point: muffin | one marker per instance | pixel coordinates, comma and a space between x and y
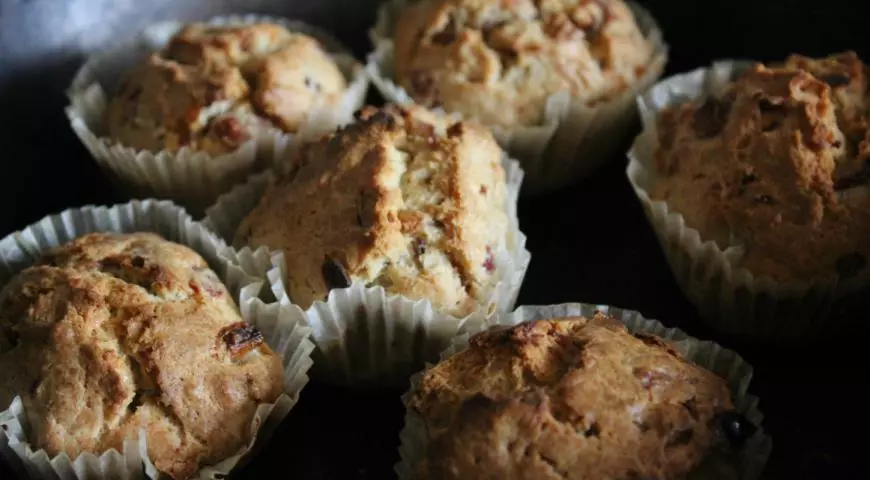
113, 333
775, 164
402, 199
523, 68
575, 397
498, 62
187, 110
771, 168
213, 87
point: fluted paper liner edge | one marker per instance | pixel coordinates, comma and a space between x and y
727, 364
574, 139
191, 178
729, 297
282, 329
365, 335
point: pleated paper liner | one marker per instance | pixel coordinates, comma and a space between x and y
366, 336
748, 464
729, 298
191, 178
282, 329
574, 139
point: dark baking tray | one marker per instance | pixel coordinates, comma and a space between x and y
590, 242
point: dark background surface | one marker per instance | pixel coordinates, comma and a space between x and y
590, 242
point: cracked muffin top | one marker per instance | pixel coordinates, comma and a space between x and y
402, 198
212, 88
498, 62
571, 398
113, 333
777, 165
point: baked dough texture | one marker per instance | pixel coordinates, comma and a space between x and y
498, 62
213, 88
777, 165
572, 398
114, 333
403, 198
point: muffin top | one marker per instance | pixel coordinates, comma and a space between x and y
402, 198
214, 87
568, 398
113, 333
498, 62
776, 164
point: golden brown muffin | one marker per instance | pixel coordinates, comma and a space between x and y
498, 62
215, 87
113, 333
776, 164
571, 398
402, 199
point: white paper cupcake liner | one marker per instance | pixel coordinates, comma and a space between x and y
574, 138
729, 298
367, 336
194, 179
282, 328
748, 464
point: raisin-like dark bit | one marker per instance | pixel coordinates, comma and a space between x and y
711, 117
312, 85
748, 177
455, 130
138, 262
240, 338
110, 263
691, 406
835, 80
593, 431
446, 35
365, 212
334, 274
680, 437
735, 427
850, 264
489, 261
136, 401
419, 246
766, 104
